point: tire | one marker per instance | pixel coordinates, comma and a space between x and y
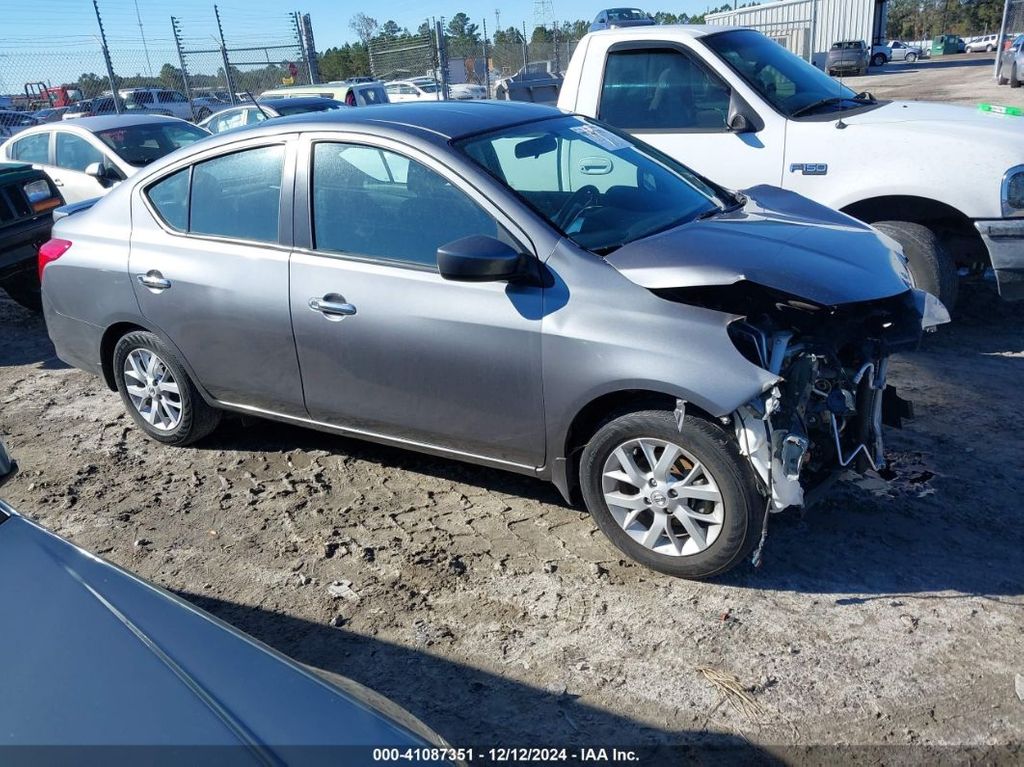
1014, 82
202, 114
878, 60
931, 266
734, 521
196, 418
23, 288
910, 58
989, 48
1000, 80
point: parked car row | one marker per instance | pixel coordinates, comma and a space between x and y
1011, 63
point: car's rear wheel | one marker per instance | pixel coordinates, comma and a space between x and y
158, 393
910, 58
679, 500
23, 288
989, 48
931, 266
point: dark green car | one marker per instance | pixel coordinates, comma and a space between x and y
27, 200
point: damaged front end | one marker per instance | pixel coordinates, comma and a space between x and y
826, 412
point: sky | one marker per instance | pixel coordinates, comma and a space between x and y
57, 40
65, 24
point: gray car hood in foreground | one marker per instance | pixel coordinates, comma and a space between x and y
780, 240
94, 656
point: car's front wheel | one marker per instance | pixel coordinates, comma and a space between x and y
910, 58
678, 499
158, 393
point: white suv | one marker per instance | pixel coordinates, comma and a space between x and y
174, 102
985, 44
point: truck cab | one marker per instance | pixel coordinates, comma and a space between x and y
740, 109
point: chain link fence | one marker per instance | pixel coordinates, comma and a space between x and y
404, 58
201, 61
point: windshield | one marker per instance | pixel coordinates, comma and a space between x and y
322, 105
600, 188
785, 80
139, 145
626, 14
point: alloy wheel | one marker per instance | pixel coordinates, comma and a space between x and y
152, 389
662, 497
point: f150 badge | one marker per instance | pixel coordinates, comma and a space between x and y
809, 168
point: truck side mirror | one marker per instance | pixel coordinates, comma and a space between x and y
742, 119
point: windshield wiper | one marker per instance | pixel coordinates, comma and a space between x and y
860, 98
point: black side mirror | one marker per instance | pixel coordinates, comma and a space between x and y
7, 466
742, 119
481, 259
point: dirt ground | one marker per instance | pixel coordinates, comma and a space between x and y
891, 614
966, 78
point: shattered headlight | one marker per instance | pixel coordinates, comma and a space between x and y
1012, 193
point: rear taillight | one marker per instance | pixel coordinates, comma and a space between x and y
50, 252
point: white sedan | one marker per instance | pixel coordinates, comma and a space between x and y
410, 90
86, 157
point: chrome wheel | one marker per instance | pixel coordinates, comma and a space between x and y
662, 497
152, 389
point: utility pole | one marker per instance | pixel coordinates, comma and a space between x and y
497, 20
176, 28
526, 54
145, 48
106, 59
311, 60
224, 56
487, 67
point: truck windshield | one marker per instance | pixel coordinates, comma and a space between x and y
785, 80
600, 188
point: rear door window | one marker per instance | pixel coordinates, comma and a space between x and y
34, 149
238, 195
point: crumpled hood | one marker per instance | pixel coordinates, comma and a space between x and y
780, 240
94, 656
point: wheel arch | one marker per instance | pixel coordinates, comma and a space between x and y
117, 330
598, 411
953, 226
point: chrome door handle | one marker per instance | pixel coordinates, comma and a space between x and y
154, 281
332, 306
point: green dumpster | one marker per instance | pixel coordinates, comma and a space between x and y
943, 45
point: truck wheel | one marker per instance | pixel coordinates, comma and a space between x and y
878, 60
1014, 82
910, 58
24, 289
679, 500
158, 393
931, 266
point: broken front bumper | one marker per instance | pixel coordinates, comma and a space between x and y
1004, 240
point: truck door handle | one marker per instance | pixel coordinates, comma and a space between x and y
332, 306
154, 281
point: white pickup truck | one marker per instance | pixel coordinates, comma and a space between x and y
945, 181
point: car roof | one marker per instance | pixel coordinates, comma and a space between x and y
107, 122
690, 30
301, 101
445, 119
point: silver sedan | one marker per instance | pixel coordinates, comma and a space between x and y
504, 284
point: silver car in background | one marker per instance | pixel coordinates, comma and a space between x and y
503, 284
87, 157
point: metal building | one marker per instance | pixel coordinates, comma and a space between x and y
809, 27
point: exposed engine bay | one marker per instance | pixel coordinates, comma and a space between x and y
827, 410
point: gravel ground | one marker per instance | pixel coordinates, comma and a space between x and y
966, 78
890, 614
